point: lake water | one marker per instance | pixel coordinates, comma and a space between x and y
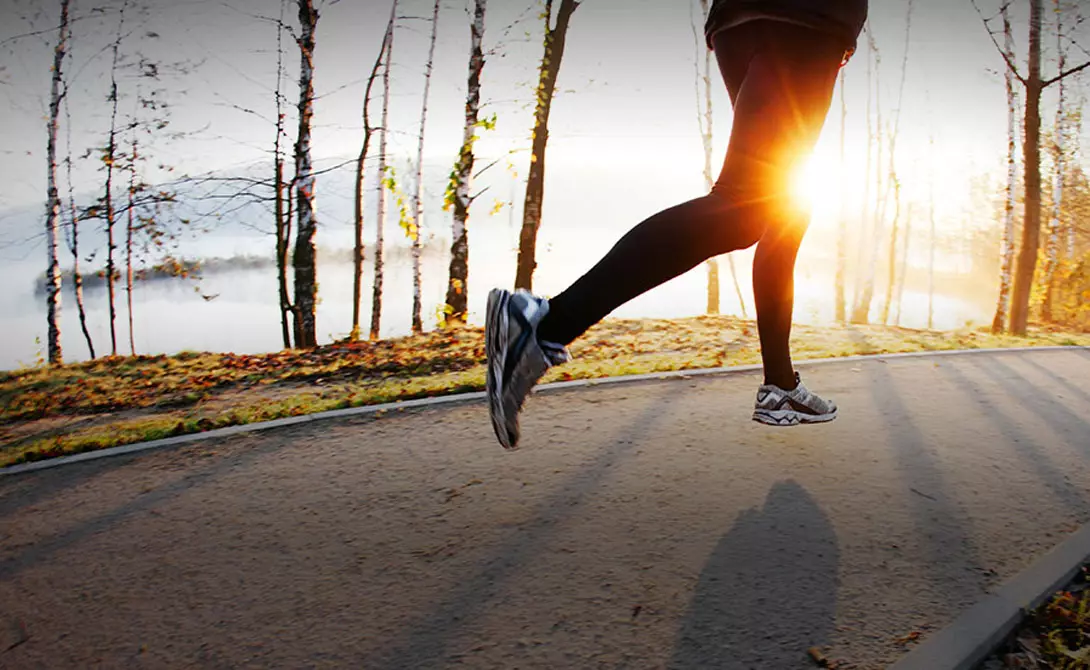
170, 316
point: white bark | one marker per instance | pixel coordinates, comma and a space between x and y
1006, 263
842, 227
458, 283
418, 205
53, 204
380, 220
304, 261
1052, 243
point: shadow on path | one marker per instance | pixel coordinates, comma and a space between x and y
947, 549
1067, 425
768, 590
1033, 459
41, 550
425, 643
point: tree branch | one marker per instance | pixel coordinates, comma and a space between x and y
1004, 54
1062, 75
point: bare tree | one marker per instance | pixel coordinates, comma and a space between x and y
1055, 221
459, 197
368, 131
931, 236
109, 158
904, 264
380, 218
304, 261
53, 201
1006, 263
555, 37
130, 211
841, 307
704, 122
73, 231
868, 268
1034, 84
893, 177
282, 209
418, 202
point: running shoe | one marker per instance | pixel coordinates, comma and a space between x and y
516, 358
777, 407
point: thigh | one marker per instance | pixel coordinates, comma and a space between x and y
781, 79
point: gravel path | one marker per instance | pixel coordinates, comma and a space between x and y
649, 525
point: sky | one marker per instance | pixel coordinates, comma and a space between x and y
624, 139
627, 82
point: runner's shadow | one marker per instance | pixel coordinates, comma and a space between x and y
768, 591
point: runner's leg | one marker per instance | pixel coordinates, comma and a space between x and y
780, 78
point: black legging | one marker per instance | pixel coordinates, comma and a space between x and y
780, 78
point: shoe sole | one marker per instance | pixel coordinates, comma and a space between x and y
788, 417
495, 334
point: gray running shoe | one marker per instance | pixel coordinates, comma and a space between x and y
516, 358
777, 407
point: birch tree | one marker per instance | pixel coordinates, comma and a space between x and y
1006, 261
555, 38
704, 122
1034, 84
109, 158
368, 132
1052, 244
282, 210
867, 265
458, 197
841, 307
380, 217
894, 179
931, 237
53, 202
304, 261
73, 231
415, 229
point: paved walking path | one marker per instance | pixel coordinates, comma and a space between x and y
649, 525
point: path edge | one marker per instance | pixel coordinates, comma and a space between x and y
371, 410
969, 639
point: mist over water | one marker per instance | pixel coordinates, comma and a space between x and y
236, 310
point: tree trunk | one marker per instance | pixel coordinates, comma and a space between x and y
931, 239
109, 159
458, 285
1052, 244
891, 283
128, 240
704, 121
1006, 262
305, 261
53, 201
861, 309
416, 229
73, 243
368, 131
1031, 150
841, 307
555, 38
380, 218
866, 224
282, 193
891, 182
904, 264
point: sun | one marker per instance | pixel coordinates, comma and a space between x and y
816, 184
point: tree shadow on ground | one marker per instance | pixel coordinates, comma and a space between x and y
767, 592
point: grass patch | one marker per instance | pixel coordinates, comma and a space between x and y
51, 411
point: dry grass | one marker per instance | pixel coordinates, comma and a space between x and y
45, 412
